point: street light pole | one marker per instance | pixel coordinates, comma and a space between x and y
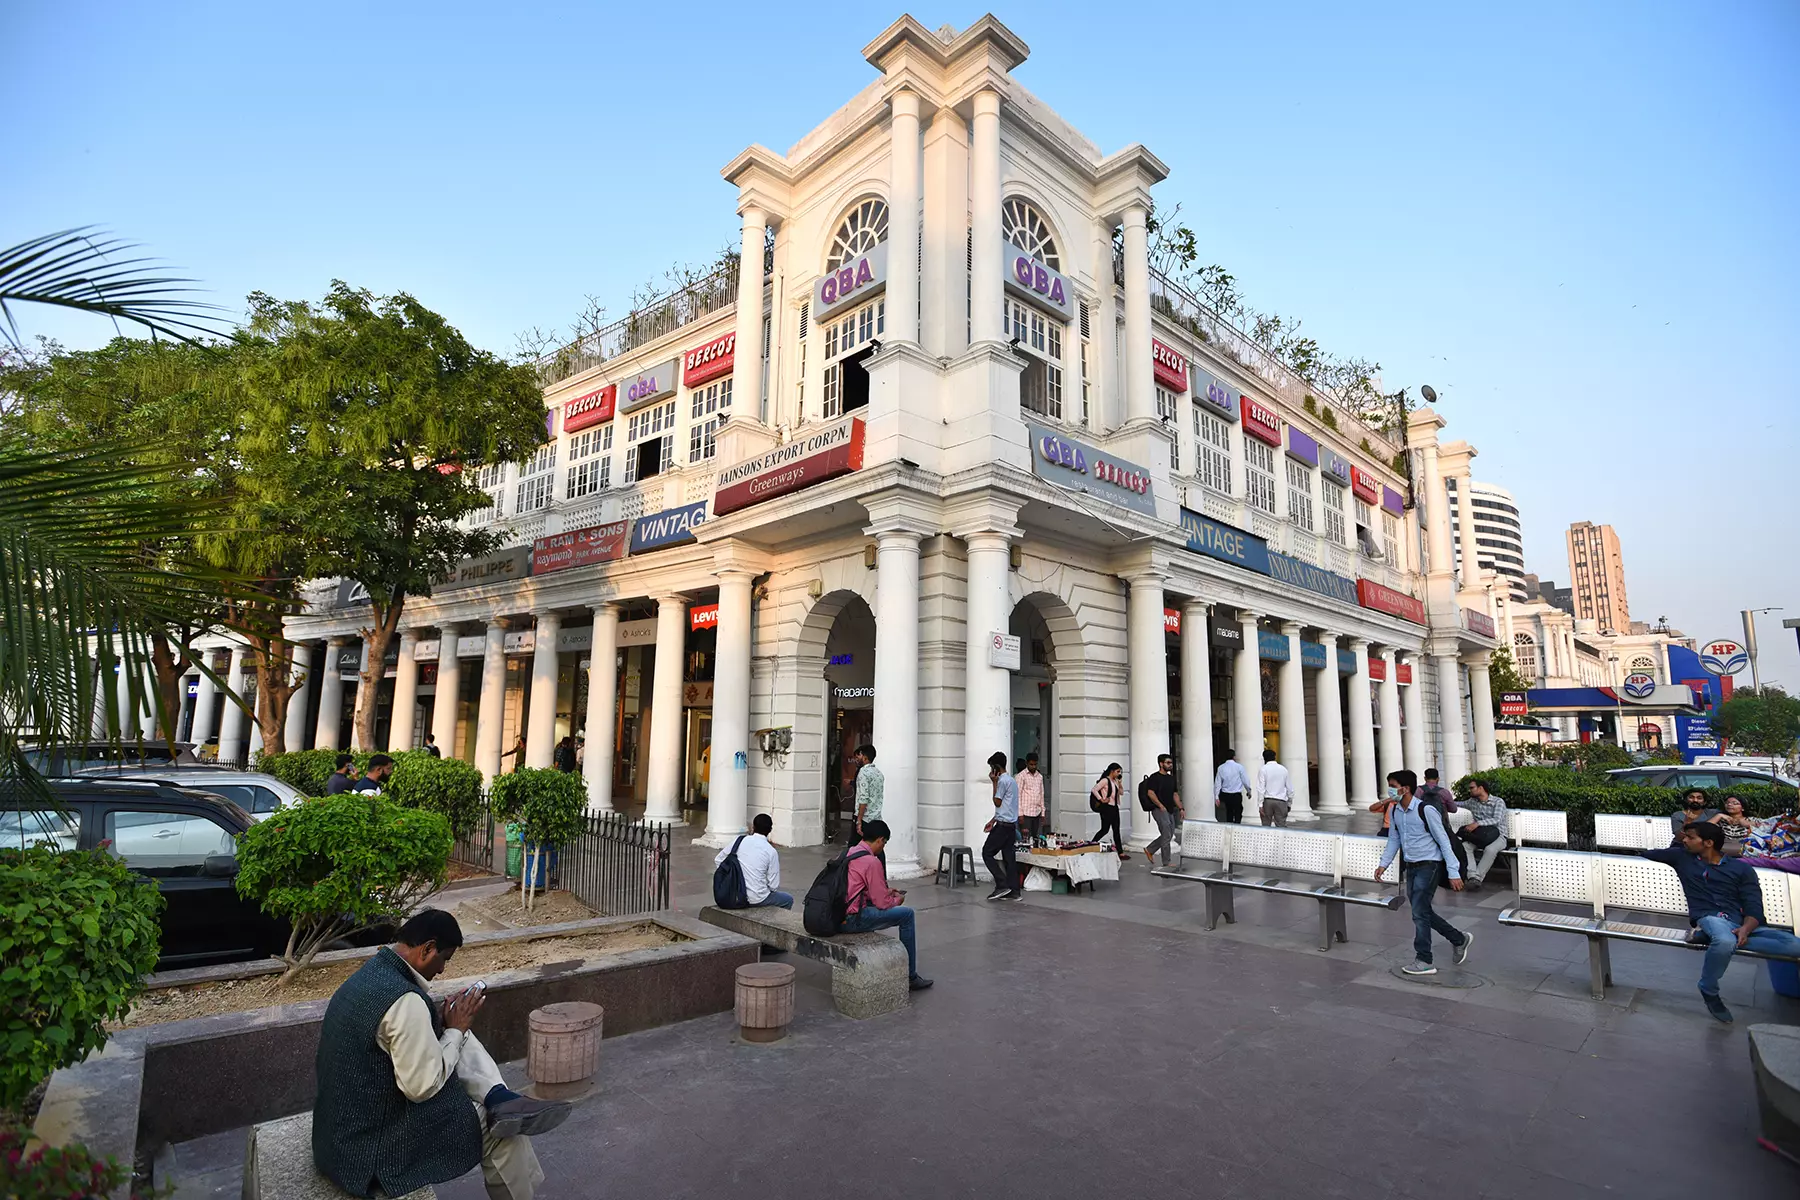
1750, 643
1612, 661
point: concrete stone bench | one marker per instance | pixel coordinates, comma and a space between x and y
1775, 1062
278, 1165
868, 970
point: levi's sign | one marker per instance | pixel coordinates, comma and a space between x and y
801, 463
851, 283
1033, 280
579, 547
594, 408
1067, 463
710, 361
650, 385
703, 616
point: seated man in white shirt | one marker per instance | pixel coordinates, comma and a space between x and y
407, 1096
760, 864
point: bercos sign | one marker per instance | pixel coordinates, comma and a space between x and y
851, 283
595, 408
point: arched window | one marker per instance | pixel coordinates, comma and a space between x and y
1526, 655
1025, 227
1643, 662
863, 228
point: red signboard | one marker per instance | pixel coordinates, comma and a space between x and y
1169, 367
1377, 668
710, 361
1364, 485
1403, 673
1385, 599
580, 547
1513, 704
799, 464
1260, 423
1171, 620
1478, 622
594, 408
703, 616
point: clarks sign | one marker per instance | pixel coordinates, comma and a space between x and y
824, 455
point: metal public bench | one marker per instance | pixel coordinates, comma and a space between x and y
1619, 831
1604, 884
1334, 857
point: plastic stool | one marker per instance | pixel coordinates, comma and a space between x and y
950, 862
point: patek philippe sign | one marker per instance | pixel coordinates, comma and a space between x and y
519, 641
1067, 463
649, 386
709, 362
1301, 574
1385, 599
1026, 276
1209, 537
511, 563
852, 283
1219, 397
668, 527
579, 547
799, 464
592, 408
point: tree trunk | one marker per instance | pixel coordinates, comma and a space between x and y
377, 635
275, 687
169, 659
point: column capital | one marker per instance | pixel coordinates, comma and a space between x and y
671, 598
986, 100
754, 216
1246, 617
1328, 638
409, 634
1360, 643
1290, 629
1134, 215
735, 574
1145, 576
905, 103
546, 614
1193, 605
606, 608
990, 539
1479, 662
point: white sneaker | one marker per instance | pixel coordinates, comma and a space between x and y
1462, 951
1420, 968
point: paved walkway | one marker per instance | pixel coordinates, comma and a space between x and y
1084, 1046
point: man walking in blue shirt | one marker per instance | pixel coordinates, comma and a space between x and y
1000, 851
1417, 830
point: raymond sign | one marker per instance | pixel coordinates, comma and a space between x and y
580, 547
1512, 704
825, 455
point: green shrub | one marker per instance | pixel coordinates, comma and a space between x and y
307, 771
341, 863
1581, 795
30, 1172
547, 805
447, 786
78, 931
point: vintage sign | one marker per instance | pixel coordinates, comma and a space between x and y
580, 547
852, 283
799, 464
703, 616
668, 527
1363, 484
593, 408
1260, 422
1067, 463
1302, 446
1724, 657
711, 361
1219, 397
1385, 599
1513, 704
1302, 574
649, 386
1170, 368
512, 563
1477, 622
1209, 537
1026, 276
1335, 467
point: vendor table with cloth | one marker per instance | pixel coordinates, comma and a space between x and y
1081, 866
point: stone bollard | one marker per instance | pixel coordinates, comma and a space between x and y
765, 1001
564, 1050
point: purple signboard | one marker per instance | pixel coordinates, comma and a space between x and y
1393, 501
1337, 468
1302, 447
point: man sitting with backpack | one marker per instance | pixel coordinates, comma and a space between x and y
872, 904
747, 873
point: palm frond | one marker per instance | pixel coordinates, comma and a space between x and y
91, 272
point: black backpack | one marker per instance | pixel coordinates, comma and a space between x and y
829, 896
728, 880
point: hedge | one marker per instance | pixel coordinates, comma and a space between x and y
1581, 796
448, 786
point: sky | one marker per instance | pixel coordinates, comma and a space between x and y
1574, 221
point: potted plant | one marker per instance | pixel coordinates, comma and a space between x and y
547, 806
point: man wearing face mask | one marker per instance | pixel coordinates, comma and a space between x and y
1417, 830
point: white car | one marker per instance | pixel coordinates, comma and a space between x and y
255, 793
20, 829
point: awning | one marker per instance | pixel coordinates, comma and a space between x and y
1665, 700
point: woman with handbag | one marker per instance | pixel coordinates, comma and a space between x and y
1104, 799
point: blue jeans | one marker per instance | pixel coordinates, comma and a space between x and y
1721, 944
868, 918
775, 900
1421, 884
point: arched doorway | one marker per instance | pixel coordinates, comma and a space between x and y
1050, 655
837, 664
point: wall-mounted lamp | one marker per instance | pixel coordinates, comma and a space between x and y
1015, 556
874, 345
815, 588
869, 556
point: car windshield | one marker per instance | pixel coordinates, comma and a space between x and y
21, 828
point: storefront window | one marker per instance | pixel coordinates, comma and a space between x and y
1334, 515
1212, 439
846, 349
650, 442
1390, 537
703, 434
863, 228
1040, 339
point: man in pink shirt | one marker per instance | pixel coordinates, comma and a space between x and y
874, 905
1031, 799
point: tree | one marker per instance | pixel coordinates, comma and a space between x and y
547, 805
1761, 722
1504, 675
389, 406
87, 271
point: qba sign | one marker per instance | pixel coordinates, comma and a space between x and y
1026, 276
1067, 463
649, 386
852, 283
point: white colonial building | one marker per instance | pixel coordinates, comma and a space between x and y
985, 481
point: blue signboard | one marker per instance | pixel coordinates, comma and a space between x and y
1346, 662
1209, 537
1312, 655
1271, 646
1695, 735
1289, 569
670, 527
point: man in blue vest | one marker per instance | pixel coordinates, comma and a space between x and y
407, 1096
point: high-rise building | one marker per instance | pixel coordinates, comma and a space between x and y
1499, 538
1597, 576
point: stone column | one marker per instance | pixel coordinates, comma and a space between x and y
662, 792
602, 707
1140, 399
1147, 651
448, 697
1481, 704
1331, 731
231, 727
206, 695
1365, 784
256, 739
1437, 512
984, 218
747, 397
987, 692
1465, 525
1196, 713
1412, 698
1291, 700
406, 693
490, 712
905, 167
1393, 753
540, 717
728, 803
1455, 763
897, 693
305, 669
331, 698
1103, 357
1246, 698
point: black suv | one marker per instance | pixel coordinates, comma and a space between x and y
185, 841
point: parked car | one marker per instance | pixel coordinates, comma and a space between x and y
182, 840
254, 792
72, 757
1676, 775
